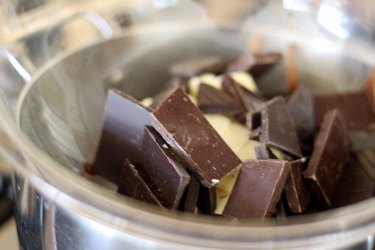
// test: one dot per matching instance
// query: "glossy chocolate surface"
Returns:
(167, 173)
(258, 189)
(277, 128)
(187, 131)
(122, 134)
(331, 150)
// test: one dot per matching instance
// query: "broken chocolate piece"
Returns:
(277, 128)
(192, 138)
(256, 64)
(355, 185)
(301, 110)
(122, 134)
(135, 184)
(254, 134)
(355, 108)
(258, 189)
(190, 200)
(328, 159)
(248, 101)
(167, 173)
(207, 200)
(234, 89)
(254, 122)
(198, 65)
(263, 152)
(212, 100)
(297, 194)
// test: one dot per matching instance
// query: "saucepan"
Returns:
(60, 113)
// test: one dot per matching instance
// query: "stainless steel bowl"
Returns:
(60, 115)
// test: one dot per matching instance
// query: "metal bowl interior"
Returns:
(62, 113)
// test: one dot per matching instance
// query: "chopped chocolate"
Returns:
(355, 185)
(198, 65)
(254, 122)
(277, 129)
(328, 159)
(207, 200)
(254, 134)
(190, 200)
(190, 135)
(248, 101)
(301, 110)
(167, 172)
(258, 189)
(135, 184)
(256, 64)
(253, 102)
(232, 88)
(355, 108)
(297, 194)
(264, 153)
(212, 100)
(122, 134)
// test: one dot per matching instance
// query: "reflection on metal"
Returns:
(24, 74)
(162, 4)
(334, 20)
(297, 5)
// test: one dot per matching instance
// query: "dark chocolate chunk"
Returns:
(355, 185)
(248, 101)
(355, 108)
(254, 134)
(190, 135)
(198, 65)
(233, 89)
(254, 122)
(331, 149)
(122, 134)
(135, 184)
(212, 100)
(263, 152)
(207, 200)
(256, 64)
(167, 172)
(190, 200)
(301, 110)
(297, 194)
(277, 128)
(258, 189)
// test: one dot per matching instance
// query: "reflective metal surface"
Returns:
(60, 114)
